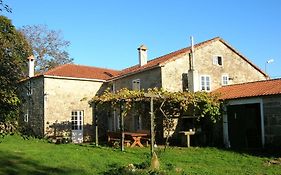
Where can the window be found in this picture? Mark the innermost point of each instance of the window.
(25, 117)
(76, 120)
(225, 80)
(205, 82)
(29, 89)
(136, 84)
(217, 60)
(185, 81)
(112, 87)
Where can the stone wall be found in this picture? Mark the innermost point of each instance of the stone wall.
(148, 79)
(233, 65)
(272, 120)
(62, 96)
(173, 73)
(33, 105)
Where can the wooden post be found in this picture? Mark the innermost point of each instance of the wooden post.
(152, 136)
(122, 126)
(96, 125)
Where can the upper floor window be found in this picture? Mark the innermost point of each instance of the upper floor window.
(29, 88)
(225, 80)
(218, 60)
(136, 84)
(205, 83)
(112, 87)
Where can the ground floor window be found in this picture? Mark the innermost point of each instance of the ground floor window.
(25, 117)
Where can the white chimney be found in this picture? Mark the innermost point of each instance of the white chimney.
(31, 61)
(142, 55)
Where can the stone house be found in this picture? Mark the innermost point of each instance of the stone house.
(252, 114)
(204, 67)
(53, 102)
(55, 96)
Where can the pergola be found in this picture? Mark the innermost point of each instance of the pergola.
(207, 103)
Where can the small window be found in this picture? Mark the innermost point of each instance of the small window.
(25, 117)
(136, 84)
(29, 89)
(112, 87)
(225, 80)
(205, 83)
(217, 60)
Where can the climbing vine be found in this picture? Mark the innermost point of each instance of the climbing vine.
(201, 104)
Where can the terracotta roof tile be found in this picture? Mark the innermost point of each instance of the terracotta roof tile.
(161, 60)
(79, 71)
(175, 55)
(252, 89)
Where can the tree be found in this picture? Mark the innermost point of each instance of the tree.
(49, 47)
(4, 7)
(14, 50)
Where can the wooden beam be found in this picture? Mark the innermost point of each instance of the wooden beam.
(122, 126)
(152, 135)
(96, 125)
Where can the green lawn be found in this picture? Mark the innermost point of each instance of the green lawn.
(19, 156)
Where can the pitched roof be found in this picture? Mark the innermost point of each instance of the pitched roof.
(160, 61)
(251, 89)
(79, 71)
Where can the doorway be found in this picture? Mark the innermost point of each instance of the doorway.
(244, 126)
(77, 126)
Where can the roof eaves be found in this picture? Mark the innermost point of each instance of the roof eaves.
(74, 78)
(133, 72)
(187, 50)
(28, 78)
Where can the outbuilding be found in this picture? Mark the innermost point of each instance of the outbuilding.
(252, 114)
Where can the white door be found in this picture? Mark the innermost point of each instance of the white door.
(77, 126)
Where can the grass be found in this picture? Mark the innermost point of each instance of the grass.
(33, 156)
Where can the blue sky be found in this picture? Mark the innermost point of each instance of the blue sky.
(107, 33)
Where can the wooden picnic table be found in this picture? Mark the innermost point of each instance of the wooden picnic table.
(136, 138)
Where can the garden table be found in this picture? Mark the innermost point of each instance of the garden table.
(136, 138)
(187, 133)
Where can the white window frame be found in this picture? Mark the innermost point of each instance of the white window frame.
(203, 87)
(216, 60)
(136, 84)
(25, 117)
(223, 80)
(77, 123)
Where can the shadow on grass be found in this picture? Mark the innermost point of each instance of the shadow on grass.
(12, 164)
(257, 152)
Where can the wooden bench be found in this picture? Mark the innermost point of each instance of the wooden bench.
(114, 139)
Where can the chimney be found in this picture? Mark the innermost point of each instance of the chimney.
(31, 61)
(142, 55)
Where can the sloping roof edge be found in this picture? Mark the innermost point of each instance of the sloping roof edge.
(172, 56)
(249, 89)
(245, 58)
(52, 73)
